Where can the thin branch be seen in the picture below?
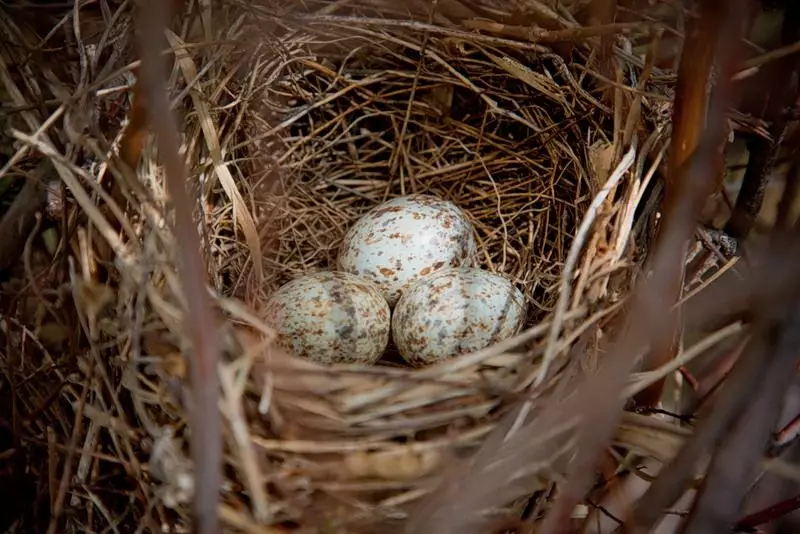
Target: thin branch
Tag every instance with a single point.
(205, 417)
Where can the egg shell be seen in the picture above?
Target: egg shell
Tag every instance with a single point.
(455, 311)
(330, 317)
(406, 238)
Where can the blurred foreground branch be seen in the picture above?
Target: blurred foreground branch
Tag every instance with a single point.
(206, 438)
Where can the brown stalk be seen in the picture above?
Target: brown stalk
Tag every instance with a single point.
(688, 118)
(72, 447)
(205, 418)
(135, 135)
(666, 489)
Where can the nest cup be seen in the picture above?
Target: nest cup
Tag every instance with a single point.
(297, 122)
(349, 113)
(357, 116)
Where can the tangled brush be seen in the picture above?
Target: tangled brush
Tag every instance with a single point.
(160, 198)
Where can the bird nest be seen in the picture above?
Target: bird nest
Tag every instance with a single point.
(295, 122)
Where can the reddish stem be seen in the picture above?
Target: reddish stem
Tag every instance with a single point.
(771, 513)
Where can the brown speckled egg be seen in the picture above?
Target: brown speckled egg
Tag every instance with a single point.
(455, 311)
(407, 238)
(330, 317)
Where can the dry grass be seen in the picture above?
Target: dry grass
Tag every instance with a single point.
(296, 119)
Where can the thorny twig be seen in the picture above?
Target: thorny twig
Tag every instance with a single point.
(205, 416)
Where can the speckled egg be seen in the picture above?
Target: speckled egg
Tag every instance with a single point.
(406, 238)
(330, 317)
(455, 311)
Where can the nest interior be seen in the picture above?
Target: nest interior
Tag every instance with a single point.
(297, 120)
(358, 115)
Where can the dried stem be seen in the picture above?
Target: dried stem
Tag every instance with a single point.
(205, 417)
(688, 119)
